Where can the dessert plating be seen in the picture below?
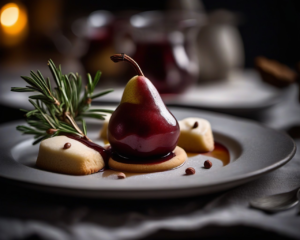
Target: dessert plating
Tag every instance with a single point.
(142, 127)
(143, 134)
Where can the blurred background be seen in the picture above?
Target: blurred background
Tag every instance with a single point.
(199, 54)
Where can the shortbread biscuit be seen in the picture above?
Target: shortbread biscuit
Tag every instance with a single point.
(78, 159)
(176, 161)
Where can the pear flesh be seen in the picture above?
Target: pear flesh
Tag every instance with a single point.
(104, 129)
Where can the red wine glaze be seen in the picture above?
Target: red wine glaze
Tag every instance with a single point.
(143, 129)
(220, 152)
(133, 138)
(148, 161)
(107, 153)
(103, 152)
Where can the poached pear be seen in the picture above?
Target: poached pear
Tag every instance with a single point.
(141, 126)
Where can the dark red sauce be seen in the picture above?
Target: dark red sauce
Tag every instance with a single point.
(148, 161)
(220, 152)
(107, 153)
(103, 152)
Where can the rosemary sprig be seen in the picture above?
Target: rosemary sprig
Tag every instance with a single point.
(58, 110)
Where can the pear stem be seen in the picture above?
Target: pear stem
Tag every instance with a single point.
(123, 57)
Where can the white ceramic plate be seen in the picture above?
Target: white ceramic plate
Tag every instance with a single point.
(254, 149)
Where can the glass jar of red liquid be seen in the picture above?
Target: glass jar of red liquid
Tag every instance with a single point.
(164, 48)
(97, 33)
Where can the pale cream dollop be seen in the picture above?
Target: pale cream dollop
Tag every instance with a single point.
(195, 139)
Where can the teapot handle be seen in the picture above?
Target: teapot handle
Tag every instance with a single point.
(180, 53)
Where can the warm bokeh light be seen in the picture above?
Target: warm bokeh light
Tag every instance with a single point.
(13, 19)
(9, 14)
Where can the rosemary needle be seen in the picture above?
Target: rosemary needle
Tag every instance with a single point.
(58, 110)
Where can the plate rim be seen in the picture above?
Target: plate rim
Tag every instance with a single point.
(244, 177)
